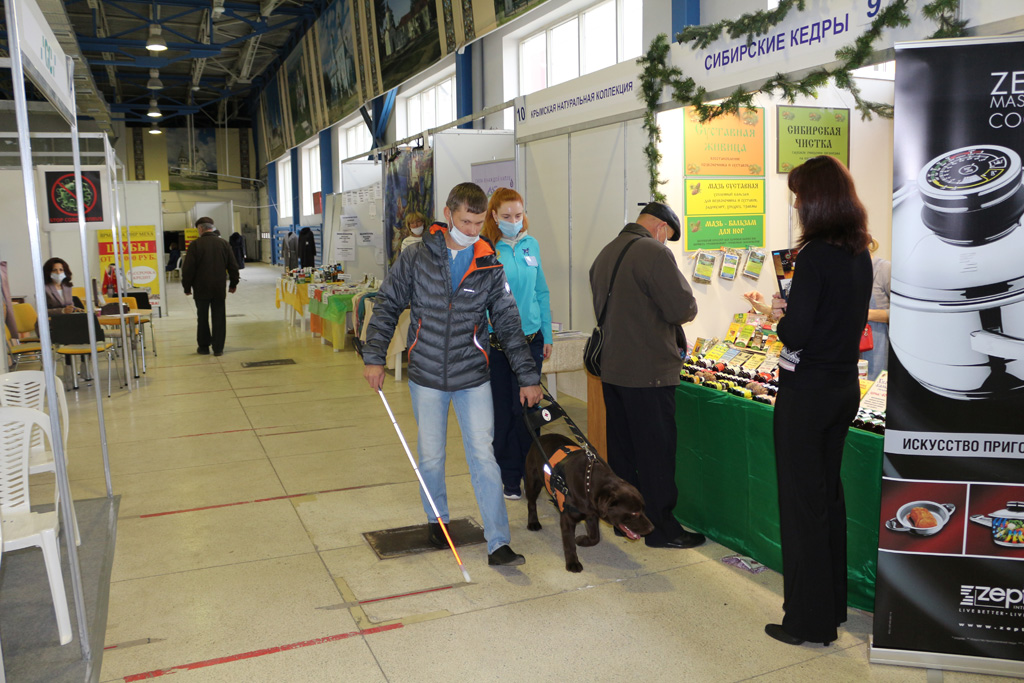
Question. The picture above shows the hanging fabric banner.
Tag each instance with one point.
(950, 585)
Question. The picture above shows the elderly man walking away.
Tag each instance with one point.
(451, 282)
(647, 302)
(209, 263)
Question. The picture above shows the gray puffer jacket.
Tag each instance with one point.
(448, 338)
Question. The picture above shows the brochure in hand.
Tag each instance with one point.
(785, 265)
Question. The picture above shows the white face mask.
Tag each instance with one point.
(417, 231)
(461, 238)
(57, 278)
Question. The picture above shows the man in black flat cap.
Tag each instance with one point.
(640, 362)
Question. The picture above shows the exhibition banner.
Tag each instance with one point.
(806, 132)
(809, 40)
(490, 175)
(730, 145)
(950, 585)
(145, 259)
(715, 232)
(408, 196)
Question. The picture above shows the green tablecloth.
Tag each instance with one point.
(728, 490)
(334, 310)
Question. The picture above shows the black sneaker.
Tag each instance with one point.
(218, 353)
(505, 557)
(513, 493)
(435, 536)
(203, 350)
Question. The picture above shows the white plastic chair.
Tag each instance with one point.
(27, 389)
(23, 528)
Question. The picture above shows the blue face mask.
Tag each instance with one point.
(509, 229)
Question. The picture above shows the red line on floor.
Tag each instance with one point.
(190, 393)
(257, 653)
(229, 431)
(404, 595)
(249, 502)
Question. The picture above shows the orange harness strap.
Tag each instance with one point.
(556, 458)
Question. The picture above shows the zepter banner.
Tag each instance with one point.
(957, 306)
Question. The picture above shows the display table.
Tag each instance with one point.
(295, 297)
(329, 318)
(728, 488)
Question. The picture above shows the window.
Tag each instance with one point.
(284, 188)
(605, 34)
(310, 181)
(430, 107)
(357, 140)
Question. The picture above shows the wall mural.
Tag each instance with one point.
(507, 10)
(190, 165)
(360, 49)
(298, 95)
(407, 38)
(338, 60)
(273, 120)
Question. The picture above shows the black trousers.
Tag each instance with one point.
(205, 308)
(511, 439)
(641, 432)
(810, 432)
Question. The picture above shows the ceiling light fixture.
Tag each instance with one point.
(155, 42)
(153, 130)
(153, 110)
(154, 80)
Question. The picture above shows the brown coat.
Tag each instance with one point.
(209, 262)
(650, 300)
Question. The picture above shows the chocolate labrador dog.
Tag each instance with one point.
(595, 493)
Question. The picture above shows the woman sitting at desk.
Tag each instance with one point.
(57, 279)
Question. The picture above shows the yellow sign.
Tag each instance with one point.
(730, 145)
(723, 197)
(141, 253)
(191, 235)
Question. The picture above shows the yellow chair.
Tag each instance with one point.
(80, 293)
(18, 351)
(25, 319)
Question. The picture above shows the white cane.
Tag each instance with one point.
(423, 486)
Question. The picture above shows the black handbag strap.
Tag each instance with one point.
(611, 283)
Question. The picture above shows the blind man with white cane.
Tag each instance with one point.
(451, 281)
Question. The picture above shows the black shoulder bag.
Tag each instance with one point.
(592, 349)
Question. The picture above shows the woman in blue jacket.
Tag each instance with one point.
(506, 227)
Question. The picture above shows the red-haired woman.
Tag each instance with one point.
(824, 317)
(505, 225)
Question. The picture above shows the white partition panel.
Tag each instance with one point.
(598, 205)
(222, 213)
(356, 175)
(544, 173)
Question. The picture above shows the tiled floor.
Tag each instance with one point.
(240, 556)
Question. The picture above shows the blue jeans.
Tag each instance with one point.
(476, 421)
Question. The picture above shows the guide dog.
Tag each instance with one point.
(594, 493)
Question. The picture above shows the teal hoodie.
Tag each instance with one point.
(525, 276)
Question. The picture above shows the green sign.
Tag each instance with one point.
(806, 132)
(715, 232)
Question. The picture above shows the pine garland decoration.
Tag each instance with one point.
(657, 75)
(944, 13)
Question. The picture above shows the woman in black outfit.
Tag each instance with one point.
(818, 396)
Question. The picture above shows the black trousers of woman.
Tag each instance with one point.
(810, 432)
(511, 439)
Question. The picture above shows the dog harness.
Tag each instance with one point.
(554, 475)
